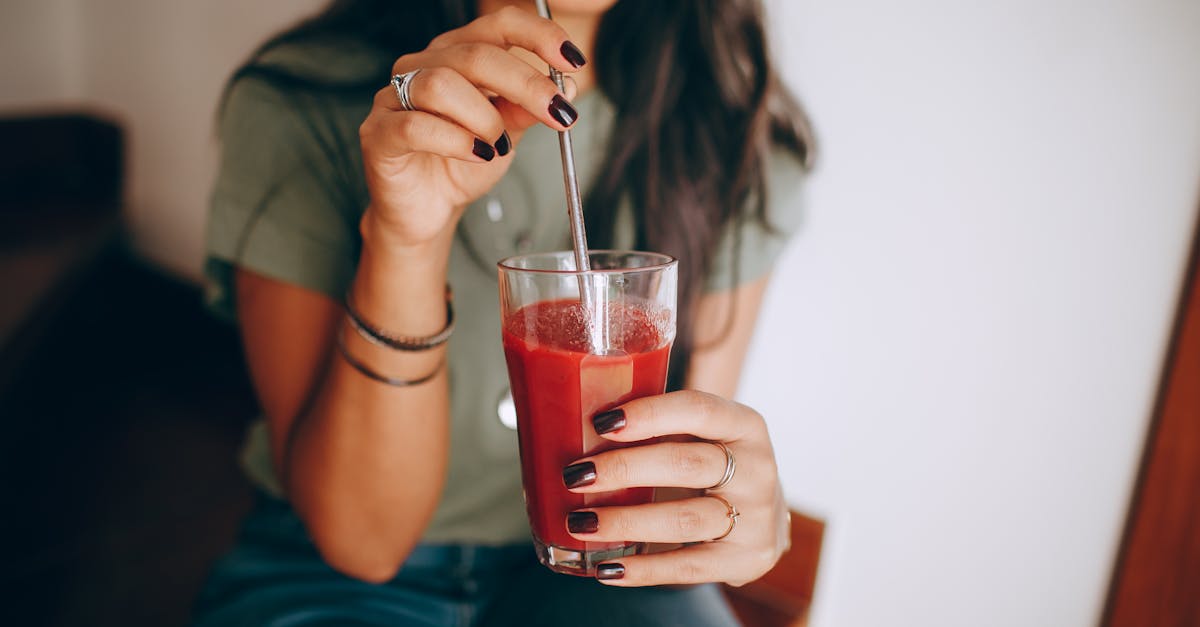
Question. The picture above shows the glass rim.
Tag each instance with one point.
(666, 261)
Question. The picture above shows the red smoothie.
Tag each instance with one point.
(558, 386)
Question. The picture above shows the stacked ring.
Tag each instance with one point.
(402, 83)
(730, 466)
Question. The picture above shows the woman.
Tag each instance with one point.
(400, 504)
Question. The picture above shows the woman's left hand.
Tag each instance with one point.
(756, 536)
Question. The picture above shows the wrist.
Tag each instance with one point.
(385, 240)
(401, 285)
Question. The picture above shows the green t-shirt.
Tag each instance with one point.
(286, 204)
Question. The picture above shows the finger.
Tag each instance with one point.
(702, 563)
(511, 26)
(517, 120)
(444, 92)
(496, 71)
(571, 87)
(706, 416)
(686, 520)
(396, 133)
(666, 464)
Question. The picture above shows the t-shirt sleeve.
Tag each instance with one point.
(277, 207)
(749, 250)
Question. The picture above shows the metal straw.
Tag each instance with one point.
(575, 212)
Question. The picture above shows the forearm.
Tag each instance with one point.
(724, 326)
(365, 464)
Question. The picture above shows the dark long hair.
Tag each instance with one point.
(698, 107)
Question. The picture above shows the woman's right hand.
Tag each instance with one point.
(474, 100)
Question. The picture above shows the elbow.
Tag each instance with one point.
(370, 570)
(365, 534)
(358, 546)
(363, 557)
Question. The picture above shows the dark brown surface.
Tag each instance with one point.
(118, 460)
(43, 256)
(121, 401)
(1157, 578)
(60, 191)
(68, 158)
(782, 597)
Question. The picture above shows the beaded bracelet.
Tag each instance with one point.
(379, 337)
(370, 373)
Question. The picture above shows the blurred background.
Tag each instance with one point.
(958, 359)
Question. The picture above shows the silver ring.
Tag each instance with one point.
(731, 512)
(730, 465)
(402, 83)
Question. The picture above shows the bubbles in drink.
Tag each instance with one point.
(563, 324)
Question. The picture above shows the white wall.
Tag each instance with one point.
(161, 65)
(156, 65)
(39, 54)
(959, 356)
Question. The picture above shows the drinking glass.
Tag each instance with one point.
(578, 344)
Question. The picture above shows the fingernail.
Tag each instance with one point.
(613, 570)
(579, 475)
(562, 111)
(609, 421)
(573, 54)
(583, 522)
(504, 144)
(483, 150)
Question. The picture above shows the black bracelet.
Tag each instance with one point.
(369, 373)
(379, 337)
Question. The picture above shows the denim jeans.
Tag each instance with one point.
(275, 577)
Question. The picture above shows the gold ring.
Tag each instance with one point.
(731, 512)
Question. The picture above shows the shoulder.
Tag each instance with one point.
(786, 177)
(325, 60)
(785, 170)
(301, 101)
(304, 78)
(749, 248)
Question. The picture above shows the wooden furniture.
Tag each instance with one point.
(1157, 577)
(119, 456)
(782, 597)
(122, 401)
(60, 194)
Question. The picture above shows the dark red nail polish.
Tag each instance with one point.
(572, 54)
(504, 144)
(562, 111)
(579, 475)
(583, 522)
(613, 570)
(483, 150)
(609, 421)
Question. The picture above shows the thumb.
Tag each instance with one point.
(517, 120)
